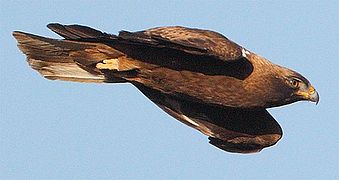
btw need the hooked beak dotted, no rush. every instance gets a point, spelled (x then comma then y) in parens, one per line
(311, 94)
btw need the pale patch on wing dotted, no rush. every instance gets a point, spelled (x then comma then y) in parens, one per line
(199, 126)
(189, 120)
(244, 52)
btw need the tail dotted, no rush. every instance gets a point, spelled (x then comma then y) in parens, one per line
(67, 60)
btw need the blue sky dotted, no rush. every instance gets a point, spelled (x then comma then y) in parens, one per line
(62, 130)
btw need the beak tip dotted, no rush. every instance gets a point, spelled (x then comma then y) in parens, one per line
(315, 98)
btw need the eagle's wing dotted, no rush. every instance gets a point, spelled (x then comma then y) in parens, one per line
(189, 40)
(193, 41)
(230, 129)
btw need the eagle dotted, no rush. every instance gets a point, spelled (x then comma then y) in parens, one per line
(199, 77)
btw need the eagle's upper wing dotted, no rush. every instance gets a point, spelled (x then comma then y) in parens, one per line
(230, 129)
(189, 40)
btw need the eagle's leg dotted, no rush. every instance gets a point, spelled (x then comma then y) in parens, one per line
(109, 64)
(120, 68)
(120, 64)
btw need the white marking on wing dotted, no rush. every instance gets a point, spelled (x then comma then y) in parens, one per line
(244, 52)
(189, 120)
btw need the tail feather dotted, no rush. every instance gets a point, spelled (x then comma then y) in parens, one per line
(64, 71)
(64, 59)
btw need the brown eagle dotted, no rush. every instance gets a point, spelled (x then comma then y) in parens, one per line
(199, 77)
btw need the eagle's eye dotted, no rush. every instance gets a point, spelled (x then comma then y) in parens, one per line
(294, 82)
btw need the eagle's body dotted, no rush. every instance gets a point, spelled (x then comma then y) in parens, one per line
(212, 88)
(198, 76)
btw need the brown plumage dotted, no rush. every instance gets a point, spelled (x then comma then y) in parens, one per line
(197, 76)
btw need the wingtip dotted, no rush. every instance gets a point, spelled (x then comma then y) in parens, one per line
(23, 36)
(54, 26)
(19, 35)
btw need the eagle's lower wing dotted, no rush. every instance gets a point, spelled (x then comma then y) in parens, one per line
(230, 129)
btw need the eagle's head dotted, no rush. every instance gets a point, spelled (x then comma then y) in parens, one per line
(291, 86)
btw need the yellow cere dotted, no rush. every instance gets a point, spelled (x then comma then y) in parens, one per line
(311, 90)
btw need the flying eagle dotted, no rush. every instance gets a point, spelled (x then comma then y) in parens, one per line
(199, 77)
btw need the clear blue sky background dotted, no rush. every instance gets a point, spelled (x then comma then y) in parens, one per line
(62, 130)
